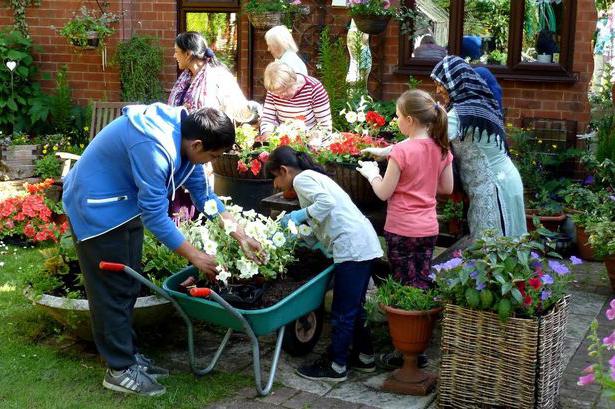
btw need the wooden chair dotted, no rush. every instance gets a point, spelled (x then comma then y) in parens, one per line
(102, 114)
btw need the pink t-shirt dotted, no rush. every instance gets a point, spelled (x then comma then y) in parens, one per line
(411, 210)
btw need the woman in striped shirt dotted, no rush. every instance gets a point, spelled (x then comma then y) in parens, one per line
(291, 95)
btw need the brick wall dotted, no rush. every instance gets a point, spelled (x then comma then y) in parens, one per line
(159, 19)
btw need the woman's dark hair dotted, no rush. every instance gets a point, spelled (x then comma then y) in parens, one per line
(195, 42)
(287, 156)
(210, 126)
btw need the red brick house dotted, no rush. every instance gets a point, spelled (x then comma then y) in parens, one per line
(557, 91)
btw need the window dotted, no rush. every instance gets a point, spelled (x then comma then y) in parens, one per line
(529, 40)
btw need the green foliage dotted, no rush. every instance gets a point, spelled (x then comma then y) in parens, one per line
(514, 272)
(603, 5)
(371, 7)
(488, 17)
(140, 61)
(602, 235)
(544, 203)
(159, 261)
(22, 104)
(264, 6)
(605, 134)
(394, 294)
(333, 60)
(61, 103)
(210, 25)
(77, 30)
(413, 83)
(19, 13)
(48, 167)
(451, 210)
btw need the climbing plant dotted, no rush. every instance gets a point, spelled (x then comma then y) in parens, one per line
(19, 12)
(140, 62)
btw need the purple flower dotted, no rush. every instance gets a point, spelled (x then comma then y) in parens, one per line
(609, 341)
(452, 263)
(546, 279)
(612, 197)
(386, 4)
(575, 260)
(432, 276)
(474, 274)
(457, 253)
(558, 267)
(534, 255)
(480, 286)
(536, 265)
(586, 379)
(545, 294)
(610, 313)
(589, 180)
(612, 361)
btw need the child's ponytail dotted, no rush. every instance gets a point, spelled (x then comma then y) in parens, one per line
(421, 106)
(287, 156)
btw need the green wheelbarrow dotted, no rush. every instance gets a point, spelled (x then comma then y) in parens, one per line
(300, 311)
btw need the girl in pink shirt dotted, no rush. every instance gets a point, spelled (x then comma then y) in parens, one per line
(418, 168)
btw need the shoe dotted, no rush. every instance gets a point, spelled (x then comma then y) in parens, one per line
(321, 370)
(132, 380)
(395, 360)
(147, 366)
(355, 363)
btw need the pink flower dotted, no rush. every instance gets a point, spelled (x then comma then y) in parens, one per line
(586, 380)
(609, 341)
(263, 157)
(610, 313)
(457, 253)
(589, 369)
(386, 4)
(612, 361)
(296, 2)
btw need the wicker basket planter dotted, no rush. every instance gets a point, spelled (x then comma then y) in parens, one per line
(353, 183)
(17, 161)
(490, 364)
(226, 165)
(264, 21)
(371, 24)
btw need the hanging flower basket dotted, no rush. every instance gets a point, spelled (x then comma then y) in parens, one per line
(371, 24)
(353, 183)
(266, 20)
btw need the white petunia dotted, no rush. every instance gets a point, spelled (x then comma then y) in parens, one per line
(279, 239)
(210, 247)
(361, 117)
(292, 227)
(223, 275)
(351, 117)
(204, 234)
(305, 230)
(230, 226)
(247, 268)
(225, 198)
(250, 230)
(249, 214)
(211, 207)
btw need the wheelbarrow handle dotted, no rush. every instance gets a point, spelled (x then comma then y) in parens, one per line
(200, 292)
(109, 266)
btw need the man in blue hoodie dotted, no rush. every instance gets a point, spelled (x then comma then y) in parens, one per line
(123, 181)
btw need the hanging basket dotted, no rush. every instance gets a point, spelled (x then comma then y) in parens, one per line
(267, 20)
(370, 24)
(353, 183)
(488, 363)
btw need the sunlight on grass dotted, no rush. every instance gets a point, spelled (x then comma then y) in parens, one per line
(6, 288)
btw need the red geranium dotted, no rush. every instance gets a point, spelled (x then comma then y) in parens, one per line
(284, 140)
(375, 119)
(255, 166)
(535, 283)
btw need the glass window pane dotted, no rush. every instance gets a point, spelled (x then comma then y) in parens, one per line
(427, 29)
(220, 31)
(485, 31)
(542, 31)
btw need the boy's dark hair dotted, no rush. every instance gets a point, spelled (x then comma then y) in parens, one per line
(287, 156)
(210, 126)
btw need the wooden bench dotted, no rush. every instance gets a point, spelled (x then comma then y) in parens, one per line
(102, 114)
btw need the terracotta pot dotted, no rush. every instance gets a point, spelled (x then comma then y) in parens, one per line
(609, 262)
(583, 248)
(454, 227)
(552, 223)
(410, 332)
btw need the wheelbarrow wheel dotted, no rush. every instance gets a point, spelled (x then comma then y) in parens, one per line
(301, 335)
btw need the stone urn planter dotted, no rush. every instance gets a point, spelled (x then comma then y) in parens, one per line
(18, 161)
(74, 314)
(410, 332)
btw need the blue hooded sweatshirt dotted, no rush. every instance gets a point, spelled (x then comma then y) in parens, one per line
(131, 169)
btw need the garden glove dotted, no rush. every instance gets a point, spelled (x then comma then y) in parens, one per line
(369, 169)
(378, 152)
(297, 216)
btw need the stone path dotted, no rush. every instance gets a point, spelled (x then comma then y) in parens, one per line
(590, 297)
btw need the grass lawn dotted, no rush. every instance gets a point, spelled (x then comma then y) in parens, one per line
(35, 374)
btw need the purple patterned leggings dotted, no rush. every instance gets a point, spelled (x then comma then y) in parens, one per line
(410, 258)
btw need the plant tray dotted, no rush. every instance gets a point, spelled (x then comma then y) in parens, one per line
(488, 363)
(306, 298)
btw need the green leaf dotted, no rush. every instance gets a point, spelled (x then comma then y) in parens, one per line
(506, 287)
(10, 103)
(16, 55)
(499, 278)
(517, 295)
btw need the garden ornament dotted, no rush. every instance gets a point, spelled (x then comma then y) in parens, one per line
(11, 65)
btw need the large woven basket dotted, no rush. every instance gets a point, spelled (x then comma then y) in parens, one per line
(490, 364)
(226, 165)
(264, 21)
(353, 183)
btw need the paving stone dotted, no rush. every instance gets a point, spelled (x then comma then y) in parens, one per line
(279, 395)
(605, 403)
(331, 403)
(302, 400)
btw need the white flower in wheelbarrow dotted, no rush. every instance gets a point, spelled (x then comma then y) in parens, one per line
(223, 274)
(279, 239)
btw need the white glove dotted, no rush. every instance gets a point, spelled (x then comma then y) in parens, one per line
(369, 170)
(379, 152)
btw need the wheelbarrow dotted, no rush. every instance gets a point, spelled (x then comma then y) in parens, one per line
(304, 303)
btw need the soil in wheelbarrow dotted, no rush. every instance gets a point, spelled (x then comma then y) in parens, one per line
(258, 294)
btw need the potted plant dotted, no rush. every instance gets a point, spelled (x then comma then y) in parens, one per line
(264, 14)
(86, 30)
(371, 16)
(504, 318)
(452, 215)
(548, 211)
(18, 154)
(58, 289)
(602, 239)
(411, 313)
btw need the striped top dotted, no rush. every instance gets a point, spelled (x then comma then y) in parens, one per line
(310, 102)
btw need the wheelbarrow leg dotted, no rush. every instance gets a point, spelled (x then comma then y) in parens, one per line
(263, 391)
(214, 360)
